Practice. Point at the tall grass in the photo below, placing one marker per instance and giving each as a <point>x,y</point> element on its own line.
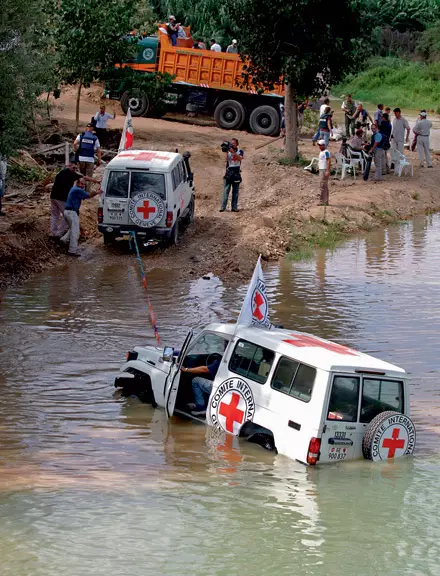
<point>395,82</point>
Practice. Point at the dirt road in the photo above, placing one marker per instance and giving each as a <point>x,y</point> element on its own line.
<point>275,200</point>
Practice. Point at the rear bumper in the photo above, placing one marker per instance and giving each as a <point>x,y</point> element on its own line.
<point>123,230</point>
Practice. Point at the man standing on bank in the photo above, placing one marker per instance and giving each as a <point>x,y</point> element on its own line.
<point>232,177</point>
<point>85,146</point>
<point>324,165</point>
<point>100,120</point>
<point>71,214</point>
<point>349,108</point>
<point>422,130</point>
<point>399,125</point>
<point>378,151</point>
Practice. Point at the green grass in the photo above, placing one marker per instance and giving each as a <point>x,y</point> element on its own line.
<point>316,235</point>
<point>300,160</point>
<point>395,82</point>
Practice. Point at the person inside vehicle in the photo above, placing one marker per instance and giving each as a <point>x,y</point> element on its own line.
<point>201,385</point>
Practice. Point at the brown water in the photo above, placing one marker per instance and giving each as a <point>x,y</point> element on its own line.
<point>91,484</point>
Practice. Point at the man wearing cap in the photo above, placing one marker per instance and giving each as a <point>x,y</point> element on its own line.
<point>324,164</point>
<point>85,146</point>
<point>232,48</point>
<point>422,130</point>
<point>399,125</point>
<point>173,29</point>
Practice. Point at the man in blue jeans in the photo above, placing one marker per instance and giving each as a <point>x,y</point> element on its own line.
<point>201,386</point>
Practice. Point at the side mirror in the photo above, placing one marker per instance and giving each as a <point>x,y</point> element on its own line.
<point>168,353</point>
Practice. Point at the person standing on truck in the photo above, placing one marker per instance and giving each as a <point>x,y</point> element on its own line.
<point>215,47</point>
<point>100,121</point>
<point>71,214</point>
<point>232,177</point>
<point>232,48</point>
<point>173,29</point>
<point>85,146</point>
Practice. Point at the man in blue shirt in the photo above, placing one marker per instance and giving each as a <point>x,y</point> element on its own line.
<point>71,214</point>
<point>377,150</point>
<point>201,386</point>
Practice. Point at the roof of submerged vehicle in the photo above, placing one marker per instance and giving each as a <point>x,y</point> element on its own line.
<point>154,159</point>
<point>309,349</point>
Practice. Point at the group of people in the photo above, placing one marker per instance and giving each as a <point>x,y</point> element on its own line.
<point>175,30</point>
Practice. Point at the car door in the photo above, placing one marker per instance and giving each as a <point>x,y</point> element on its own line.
<point>342,430</point>
<point>115,202</point>
<point>173,379</point>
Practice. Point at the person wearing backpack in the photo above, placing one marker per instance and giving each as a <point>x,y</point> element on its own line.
<point>85,146</point>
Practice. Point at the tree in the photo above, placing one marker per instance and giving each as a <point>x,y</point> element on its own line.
<point>308,44</point>
<point>91,36</point>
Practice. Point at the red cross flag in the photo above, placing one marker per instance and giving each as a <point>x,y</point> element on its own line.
<point>255,309</point>
<point>127,137</point>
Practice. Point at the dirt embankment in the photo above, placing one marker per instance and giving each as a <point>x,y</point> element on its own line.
<point>276,202</point>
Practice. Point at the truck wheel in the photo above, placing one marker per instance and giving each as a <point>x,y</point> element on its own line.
<point>173,238</point>
<point>390,434</point>
<point>109,238</point>
<point>265,120</point>
<point>190,216</point>
<point>230,115</point>
<point>136,101</point>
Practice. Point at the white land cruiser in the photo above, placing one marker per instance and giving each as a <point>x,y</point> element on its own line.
<point>307,398</point>
<point>148,192</point>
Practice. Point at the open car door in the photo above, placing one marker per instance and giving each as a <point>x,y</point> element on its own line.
<point>173,380</point>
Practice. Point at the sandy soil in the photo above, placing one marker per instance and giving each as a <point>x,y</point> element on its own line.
<point>274,199</point>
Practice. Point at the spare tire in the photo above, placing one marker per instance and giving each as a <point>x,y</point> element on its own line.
<point>230,115</point>
<point>389,435</point>
<point>136,101</point>
<point>265,120</point>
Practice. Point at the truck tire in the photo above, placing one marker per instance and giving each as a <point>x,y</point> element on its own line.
<point>137,102</point>
<point>379,430</point>
<point>173,238</point>
<point>265,120</point>
<point>230,115</point>
<point>109,238</point>
<point>189,218</point>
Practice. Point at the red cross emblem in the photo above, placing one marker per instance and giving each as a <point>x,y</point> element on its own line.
<point>147,156</point>
<point>231,412</point>
<point>393,443</point>
<point>258,302</point>
<point>146,209</point>
<point>305,341</point>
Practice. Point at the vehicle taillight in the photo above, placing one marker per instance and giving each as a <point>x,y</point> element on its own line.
<point>313,453</point>
<point>100,215</point>
<point>169,220</point>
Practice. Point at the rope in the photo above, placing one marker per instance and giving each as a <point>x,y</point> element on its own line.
<point>144,282</point>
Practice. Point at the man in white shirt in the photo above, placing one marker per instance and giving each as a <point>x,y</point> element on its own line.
<point>324,165</point>
<point>400,124</point>
<point>422,130</point>
<point>324,106</point>
<point>215,47</point>
<point>100,121</point>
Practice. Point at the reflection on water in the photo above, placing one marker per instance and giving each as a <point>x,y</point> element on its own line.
<point>90,483</point>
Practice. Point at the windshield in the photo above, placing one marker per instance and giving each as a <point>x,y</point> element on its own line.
<point>147,182</point>
<point>120,181</point>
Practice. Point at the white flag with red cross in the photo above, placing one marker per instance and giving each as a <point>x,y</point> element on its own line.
<point>127,137</point>
<point>255,309</point>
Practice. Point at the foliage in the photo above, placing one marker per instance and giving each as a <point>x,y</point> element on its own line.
<point>313,234</point>
<point>26,174</point>
<point>402,15</point>
<point>428,45</point>
<point>395,82</point>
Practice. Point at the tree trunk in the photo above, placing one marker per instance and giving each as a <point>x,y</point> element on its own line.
<point>78,98</point>
<point>291,116</point>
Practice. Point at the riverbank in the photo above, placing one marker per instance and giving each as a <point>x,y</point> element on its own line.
<point>279,212</point>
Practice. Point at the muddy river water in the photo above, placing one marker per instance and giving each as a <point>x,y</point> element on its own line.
<point>92,484</point>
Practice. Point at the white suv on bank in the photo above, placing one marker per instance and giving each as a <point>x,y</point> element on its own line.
<point>149,192</point>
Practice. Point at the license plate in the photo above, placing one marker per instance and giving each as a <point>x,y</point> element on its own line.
<point>115,206</point>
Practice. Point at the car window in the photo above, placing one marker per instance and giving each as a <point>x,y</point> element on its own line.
<point>251,361</point>
<point>176,178</point>
<point>344,399</point>
<point>294,379</point>
<point>380,395</point>
<point>117,184</point>
<point>181,172</point>
<point>208,344</point>
<point>147,182</point>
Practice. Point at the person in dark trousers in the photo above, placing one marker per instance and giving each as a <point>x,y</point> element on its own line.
<point>62,185</point>
<point>85,146</point>
<point>71,213</point>
<point>173,29</point>
<point>100,120</point>
<point>201,385</point>
<point>232,177</point>
<point>385,129</point>
<point>378,152</point>
<point>3,171</point>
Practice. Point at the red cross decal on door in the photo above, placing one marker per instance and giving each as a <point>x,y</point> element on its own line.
<point>146,209</point>
<point>304,341</point>
<point>231,412</point>
<point>147,156</point>
<point>393,443</point>
<point>258,301</point>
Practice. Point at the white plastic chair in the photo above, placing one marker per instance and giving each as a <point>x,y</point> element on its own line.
<point>313,165</point>
<point>356,158</point>
<point>343,165</point>
<point>402,164</point>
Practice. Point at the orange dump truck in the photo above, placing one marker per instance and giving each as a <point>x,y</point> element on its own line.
<point>204,82</point>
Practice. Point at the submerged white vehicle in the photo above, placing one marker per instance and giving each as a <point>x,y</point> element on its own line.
<point>309,399</point>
